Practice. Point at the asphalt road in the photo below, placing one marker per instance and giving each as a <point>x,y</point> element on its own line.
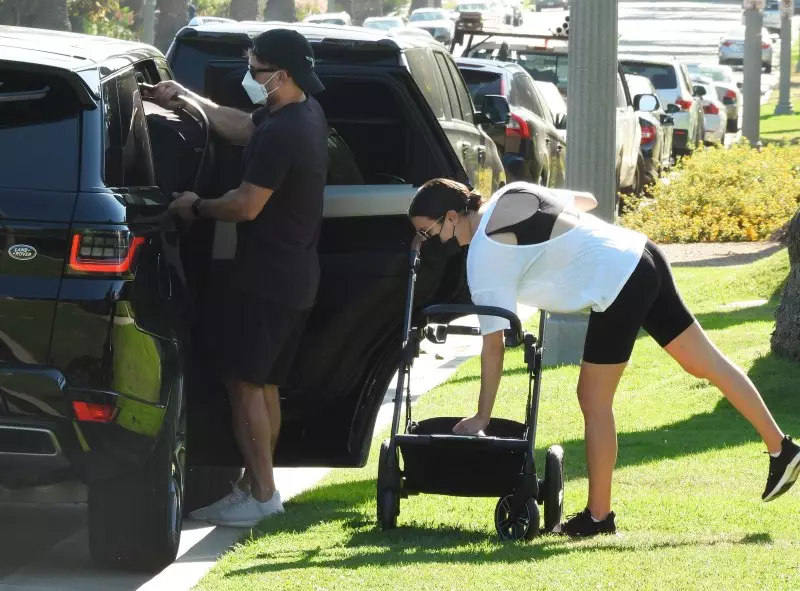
<point>42,532</point>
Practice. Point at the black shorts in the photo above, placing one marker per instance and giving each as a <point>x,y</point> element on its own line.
<point>649,300</point>
<point>256,339</point>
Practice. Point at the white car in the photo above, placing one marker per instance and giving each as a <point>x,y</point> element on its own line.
<point>383,23</point>
<point>436,21</point>
<point>330,18</point>
<point>715,116</point>
<point>728,88</point>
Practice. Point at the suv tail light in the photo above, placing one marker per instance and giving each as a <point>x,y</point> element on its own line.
<point>684,104</point>
<point>730,97</point>
<point>518,127</point>
<point>727,43</point>
<point>103,251</point>
<point>89,412</point>
<point>711,109</point>
<point>765,45</point>
<point>648,133</point>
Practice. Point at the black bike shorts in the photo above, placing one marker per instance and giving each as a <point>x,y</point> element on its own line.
<point>649,300</point>
<point>257,340</point>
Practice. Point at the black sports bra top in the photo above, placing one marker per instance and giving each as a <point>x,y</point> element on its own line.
<point>539,226</point>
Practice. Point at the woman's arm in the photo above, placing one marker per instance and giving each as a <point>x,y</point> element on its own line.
<point>492,354</point>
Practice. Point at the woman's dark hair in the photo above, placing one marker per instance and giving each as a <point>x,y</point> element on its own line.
<point>438,196</point>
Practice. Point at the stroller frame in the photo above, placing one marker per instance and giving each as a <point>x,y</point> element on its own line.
<point>502,461</point>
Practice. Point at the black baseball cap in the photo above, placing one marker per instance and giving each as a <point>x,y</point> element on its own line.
<point>289,50</point>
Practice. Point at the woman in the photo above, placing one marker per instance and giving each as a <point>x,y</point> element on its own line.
<point>538,246</point>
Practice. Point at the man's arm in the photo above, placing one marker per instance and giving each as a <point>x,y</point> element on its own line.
<point>234,125</point>
<point>239,205</point>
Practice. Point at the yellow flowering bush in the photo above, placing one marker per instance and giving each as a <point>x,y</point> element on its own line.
<point>718,195</point>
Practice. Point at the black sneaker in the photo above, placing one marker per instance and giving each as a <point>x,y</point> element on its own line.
<point>581,525</point>
<point>783,470</point>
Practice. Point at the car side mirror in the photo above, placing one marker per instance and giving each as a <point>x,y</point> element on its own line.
<point>673,108</point>
<point>647,103</point>
<point>699,91</point>
<point>739,85</point>
<point>496,109</point>
<point>667,119</point>
<point>561,121</point>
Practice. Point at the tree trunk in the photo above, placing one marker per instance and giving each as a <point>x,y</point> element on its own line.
<point>280,10</point>
<point>52,14</point>
<point>786,338</point>
<point>172,15</point>
<point>244,10</point>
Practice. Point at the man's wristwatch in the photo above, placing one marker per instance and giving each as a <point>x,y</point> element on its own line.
<point>196,208</point>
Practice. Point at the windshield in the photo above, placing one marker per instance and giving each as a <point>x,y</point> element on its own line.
<point>546,67</point>
<point>473,6</point>
<point>427,16</point>
<point>716,74</point>
<point>383,25</point>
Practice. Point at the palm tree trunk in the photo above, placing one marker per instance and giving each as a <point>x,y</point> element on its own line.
<point>280,10</point>
<point>786,338</point>
<point>244,10</point>
<point>51,14</point>
<point>172,15</point>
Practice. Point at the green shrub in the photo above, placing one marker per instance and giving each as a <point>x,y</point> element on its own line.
<point>717,195</point>
<point>107,18</point>
<point>221,8</point>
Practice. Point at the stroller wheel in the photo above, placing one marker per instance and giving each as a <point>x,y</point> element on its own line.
<point>525,526</point>
<point>553,490</point>
<point>388,489</point>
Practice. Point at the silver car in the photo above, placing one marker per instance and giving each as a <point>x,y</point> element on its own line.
<point>727,87</point>
<point>714,116</point>
<point>731,48</point>
<point>434,20</point>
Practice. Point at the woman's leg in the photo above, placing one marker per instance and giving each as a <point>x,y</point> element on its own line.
<point>695,352</point>
<point>596,387</point>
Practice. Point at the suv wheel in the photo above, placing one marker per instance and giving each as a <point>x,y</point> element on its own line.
<point>135,518</point>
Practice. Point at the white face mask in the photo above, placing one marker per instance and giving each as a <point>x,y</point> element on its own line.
<point>257,92</point>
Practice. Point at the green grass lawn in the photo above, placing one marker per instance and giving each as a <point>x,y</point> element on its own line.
<point>773,126</point>
<point>687,488</point>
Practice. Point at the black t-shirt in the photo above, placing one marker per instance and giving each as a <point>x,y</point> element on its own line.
<point>276,253</point>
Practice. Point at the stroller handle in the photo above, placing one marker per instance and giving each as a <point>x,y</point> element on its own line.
<point>453,311</point>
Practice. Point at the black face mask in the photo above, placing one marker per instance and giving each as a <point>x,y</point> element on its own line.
<point>437,251</point>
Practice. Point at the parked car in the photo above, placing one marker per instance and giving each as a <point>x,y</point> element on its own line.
<point>531,147</point>
<point>383,23</point>
<point>474,15</point>
<point>551,4</point>
<point>101,292</point>
<point>547,60</point>
<point>715,117</point>
<point>771,15</point>
<point>656,125</point>
<point>674,89</point>
<point>330,18</point>
<point>727,87</point>
<point>436,21</point>
<point>555,102</point>
<point>731,48</point>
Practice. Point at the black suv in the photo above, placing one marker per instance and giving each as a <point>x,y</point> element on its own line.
<point>103,295</point>
<point>532,148</point>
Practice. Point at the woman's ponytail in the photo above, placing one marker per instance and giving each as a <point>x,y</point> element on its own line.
<point>474,201</point>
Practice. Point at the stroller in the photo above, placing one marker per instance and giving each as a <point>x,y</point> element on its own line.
<point>437,461</point>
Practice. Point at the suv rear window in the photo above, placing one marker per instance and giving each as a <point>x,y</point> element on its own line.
<point>481,83</point>
<point>662,77</point>
<point>39,131</point>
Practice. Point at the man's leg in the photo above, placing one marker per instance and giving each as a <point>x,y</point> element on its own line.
<point>272,402</point>
<point>252,426</point>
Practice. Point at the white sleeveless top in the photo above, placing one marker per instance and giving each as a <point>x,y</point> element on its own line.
<point>586,267</point>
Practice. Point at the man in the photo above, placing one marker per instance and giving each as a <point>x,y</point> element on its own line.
<point>278,210</point>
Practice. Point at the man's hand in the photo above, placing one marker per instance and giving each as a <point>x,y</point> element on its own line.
<point>471,426</point>
<point>166,93</point>
<point>182,206</point>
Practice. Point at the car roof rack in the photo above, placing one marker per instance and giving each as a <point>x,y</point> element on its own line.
<point>469,32</point>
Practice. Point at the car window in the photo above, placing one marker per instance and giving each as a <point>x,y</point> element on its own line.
<point>39,132</point>
<point>129,162</point>
<point>424,72</point>
<point>463,98</point>
<point>662,76</point>
<point>481,83</point>
<point>529,98</point>
<point>449,97</point>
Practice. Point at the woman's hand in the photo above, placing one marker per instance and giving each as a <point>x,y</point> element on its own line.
<point>471,426</point>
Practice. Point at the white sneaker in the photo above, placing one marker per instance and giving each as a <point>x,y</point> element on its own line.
<point>247,512</point>
<point>205,513</point>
